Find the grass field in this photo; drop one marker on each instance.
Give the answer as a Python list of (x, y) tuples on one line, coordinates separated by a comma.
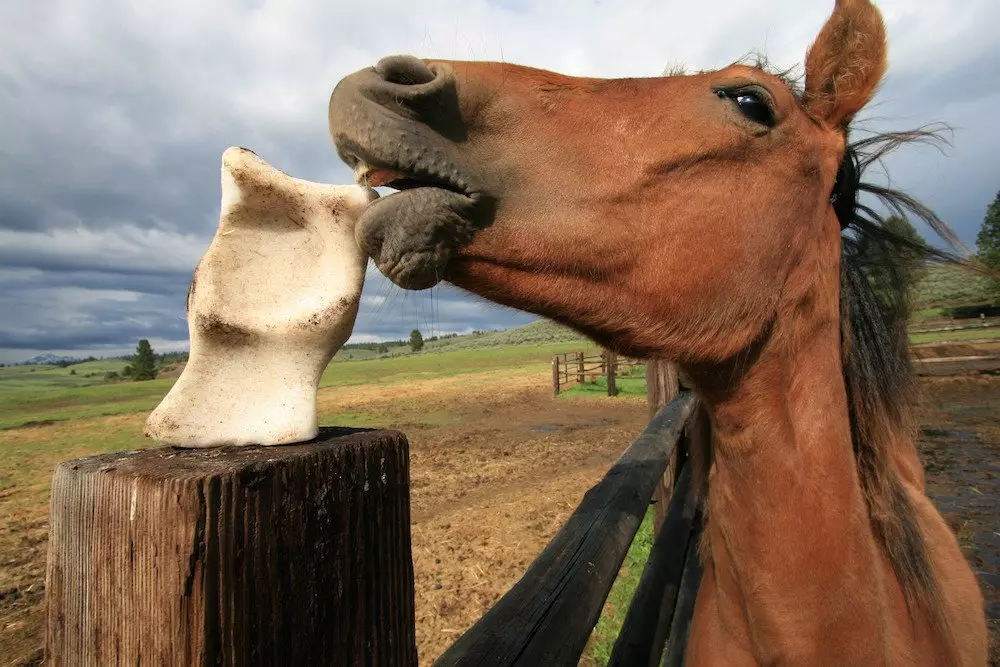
[(21, 378), (51, 394), (627, 386), (944, 288), (942, 336)]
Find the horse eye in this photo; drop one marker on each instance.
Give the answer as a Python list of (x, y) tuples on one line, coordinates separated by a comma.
[(753, 106)]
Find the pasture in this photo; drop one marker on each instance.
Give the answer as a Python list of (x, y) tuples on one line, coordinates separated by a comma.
[(497, 465)]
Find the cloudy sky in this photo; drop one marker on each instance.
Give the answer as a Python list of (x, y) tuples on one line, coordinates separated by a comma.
[(114, 115)]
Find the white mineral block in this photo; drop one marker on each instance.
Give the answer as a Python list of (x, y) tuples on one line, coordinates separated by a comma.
[(273, 299)]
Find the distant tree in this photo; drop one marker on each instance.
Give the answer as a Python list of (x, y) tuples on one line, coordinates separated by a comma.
[(877, 252), (72, 371), (382, 349), (988, 243), (988, 240), (144, 362), (128, 371), (416, 340), (111, 376)]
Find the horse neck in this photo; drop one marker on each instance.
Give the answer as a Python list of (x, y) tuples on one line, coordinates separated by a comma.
[(789, 548)]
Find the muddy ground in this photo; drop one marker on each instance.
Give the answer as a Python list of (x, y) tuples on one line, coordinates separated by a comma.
[(960, 445), (498, 465)]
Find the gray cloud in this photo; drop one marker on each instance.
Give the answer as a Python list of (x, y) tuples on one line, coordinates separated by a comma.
[(116, 113)]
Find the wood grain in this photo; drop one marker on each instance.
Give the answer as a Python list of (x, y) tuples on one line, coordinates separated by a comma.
[(292, 555), (661, 387)]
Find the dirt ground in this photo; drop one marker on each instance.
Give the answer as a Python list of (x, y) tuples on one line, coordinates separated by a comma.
[(490, 490), (960, 446), (497, 466)]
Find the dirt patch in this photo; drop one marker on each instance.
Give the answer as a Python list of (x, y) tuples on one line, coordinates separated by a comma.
[(960, 446), (171, 371), (941, 350)]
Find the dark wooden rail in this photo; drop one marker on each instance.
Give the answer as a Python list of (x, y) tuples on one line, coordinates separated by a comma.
[(547, 617), (650, 616), (684, 612)]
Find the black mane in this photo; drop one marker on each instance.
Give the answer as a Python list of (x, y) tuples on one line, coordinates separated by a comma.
[(878, 372)]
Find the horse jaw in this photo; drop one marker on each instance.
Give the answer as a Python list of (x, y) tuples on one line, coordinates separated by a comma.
[(272, 300)]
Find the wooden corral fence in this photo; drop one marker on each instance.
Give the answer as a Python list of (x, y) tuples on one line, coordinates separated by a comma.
[(577, 367), (300, 555)]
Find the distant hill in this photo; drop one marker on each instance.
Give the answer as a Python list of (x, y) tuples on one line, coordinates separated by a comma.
[(49, 358), (540, 331)]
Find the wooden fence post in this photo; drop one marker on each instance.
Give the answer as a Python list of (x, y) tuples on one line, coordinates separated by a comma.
[(612, 362), (579, 368), (661, 387), (555, 376), (293, 555)]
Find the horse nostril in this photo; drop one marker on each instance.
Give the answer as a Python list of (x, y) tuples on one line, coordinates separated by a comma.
[(404, 70)]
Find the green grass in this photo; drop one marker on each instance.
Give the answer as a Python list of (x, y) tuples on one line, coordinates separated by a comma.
[(443, 364), (929, 314), (536, 333), (616, 606), (49, 394), (626, 386), (28, 466), (943, 336), (950, 287), (16, 379), (39, 404)]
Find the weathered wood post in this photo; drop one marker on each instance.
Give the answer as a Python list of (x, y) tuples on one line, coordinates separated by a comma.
[(612, 363), (662, 386), (555, 376), (579, 368), (296, 555)]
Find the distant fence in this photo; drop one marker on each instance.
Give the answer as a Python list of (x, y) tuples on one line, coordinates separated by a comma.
[(576, 368), (982, 324)]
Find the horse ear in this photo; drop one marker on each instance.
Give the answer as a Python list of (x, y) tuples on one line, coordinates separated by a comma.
[(846, 62)]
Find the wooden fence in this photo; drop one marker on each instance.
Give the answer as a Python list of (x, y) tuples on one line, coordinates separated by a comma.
[(577, 367), (301, 555)]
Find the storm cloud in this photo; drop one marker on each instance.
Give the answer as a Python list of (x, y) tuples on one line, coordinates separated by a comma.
[(115, 114)]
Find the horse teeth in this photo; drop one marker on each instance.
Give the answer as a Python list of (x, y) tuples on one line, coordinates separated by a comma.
[(361, 171)]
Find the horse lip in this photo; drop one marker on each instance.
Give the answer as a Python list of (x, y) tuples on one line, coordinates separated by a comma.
[(368, 132), (441, 174)]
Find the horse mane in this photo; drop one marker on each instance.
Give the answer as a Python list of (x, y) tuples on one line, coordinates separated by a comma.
[(878, 372)]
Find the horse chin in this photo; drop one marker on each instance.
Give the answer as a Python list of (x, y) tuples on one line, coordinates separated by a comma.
[(412, 235)]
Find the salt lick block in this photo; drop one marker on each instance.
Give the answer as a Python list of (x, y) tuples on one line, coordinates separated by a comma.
[(272, 300)]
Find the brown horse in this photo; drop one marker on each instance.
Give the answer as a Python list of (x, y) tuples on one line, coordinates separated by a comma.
[(713, 220)]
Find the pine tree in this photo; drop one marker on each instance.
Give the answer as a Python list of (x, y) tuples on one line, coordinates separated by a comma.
[(416, 340), (988, 242), (144, 363)]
